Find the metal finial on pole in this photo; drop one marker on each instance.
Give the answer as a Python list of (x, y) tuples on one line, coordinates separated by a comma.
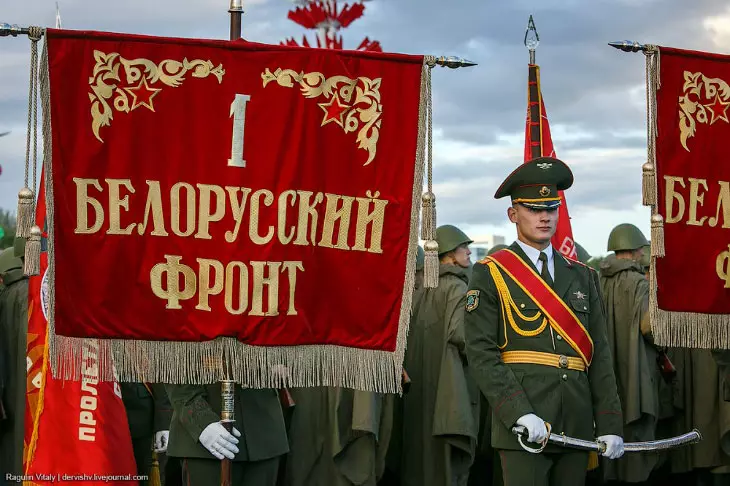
[(236, 11), (532, 39), (12, 30), (453, 62), (58, 17), (628, 46)]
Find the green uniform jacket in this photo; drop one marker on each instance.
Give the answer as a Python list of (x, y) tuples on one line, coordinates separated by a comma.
[(338, 437), (13, 336), (440, 411), (257, 414), (699, 402), (626, 296), (146, 413), (571, 401)]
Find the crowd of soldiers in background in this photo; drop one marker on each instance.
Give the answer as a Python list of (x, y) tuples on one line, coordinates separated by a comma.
[(435, 434)]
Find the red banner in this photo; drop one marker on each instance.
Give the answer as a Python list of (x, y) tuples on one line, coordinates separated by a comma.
[(693, 181), (208, 188), (539, 143), (75, 431)]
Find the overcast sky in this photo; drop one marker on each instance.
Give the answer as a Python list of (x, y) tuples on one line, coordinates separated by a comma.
[(594, 94)]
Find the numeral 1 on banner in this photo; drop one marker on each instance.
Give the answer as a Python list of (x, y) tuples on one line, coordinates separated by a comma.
[(238, 112)]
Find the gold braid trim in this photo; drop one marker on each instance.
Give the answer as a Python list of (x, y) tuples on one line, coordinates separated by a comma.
[(509, 307)]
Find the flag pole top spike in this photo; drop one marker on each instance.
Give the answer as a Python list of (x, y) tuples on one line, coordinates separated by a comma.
[(12, 30), (236, 6), (628, 46), (452, 62), (532, 39)]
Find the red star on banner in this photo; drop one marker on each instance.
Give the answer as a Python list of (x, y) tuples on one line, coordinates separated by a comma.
[(142, 95), (718, 109), (334, 111)]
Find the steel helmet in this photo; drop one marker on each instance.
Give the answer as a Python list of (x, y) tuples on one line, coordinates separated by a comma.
[(626, 237), (496, 248), (582, 254), (450, 237), (8, 260)]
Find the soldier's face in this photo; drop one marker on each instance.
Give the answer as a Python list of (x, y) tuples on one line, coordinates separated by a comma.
[(461, 256), (534, 225)]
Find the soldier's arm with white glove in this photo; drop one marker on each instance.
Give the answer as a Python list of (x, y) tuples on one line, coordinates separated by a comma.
[(614, 446), (201, 422), (536, 429), (219, 441), (163, 415)]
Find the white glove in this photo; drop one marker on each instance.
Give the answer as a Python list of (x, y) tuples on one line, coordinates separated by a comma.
[(162, 438), (218, 441), (535, 427), (614, 446)]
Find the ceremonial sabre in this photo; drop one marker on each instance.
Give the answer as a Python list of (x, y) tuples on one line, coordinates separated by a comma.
[(599, 447)]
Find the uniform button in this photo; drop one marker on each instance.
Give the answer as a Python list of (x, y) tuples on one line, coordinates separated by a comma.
[(522, 306), (585, 308), (565, 377), (560, 338)]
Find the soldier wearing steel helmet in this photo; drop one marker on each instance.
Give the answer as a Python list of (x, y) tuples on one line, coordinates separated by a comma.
[(440, 411), (536, 340), (13, 337), (626, 295)]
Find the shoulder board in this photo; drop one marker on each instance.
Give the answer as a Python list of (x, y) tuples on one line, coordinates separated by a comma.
[(577, 262), (485, 260)]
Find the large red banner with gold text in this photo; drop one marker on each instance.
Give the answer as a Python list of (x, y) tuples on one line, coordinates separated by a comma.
[(693, 182), (210, 188)]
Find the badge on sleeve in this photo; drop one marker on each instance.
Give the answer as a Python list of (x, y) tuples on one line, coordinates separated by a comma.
[(472, 300)]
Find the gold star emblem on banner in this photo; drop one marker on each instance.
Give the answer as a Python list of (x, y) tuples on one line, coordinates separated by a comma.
[(718, 109), (334, 111), (142, 95)]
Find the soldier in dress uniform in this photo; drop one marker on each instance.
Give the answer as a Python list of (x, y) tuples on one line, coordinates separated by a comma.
[(536, 340), (13, 341), (626, 294), (148, 415), (440, 411), (198, 438)]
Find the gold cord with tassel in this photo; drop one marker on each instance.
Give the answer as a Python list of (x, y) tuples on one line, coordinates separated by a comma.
[(648, 185), (155, 471), (428, 199), (26, 196), (32, 261), (657, 235)]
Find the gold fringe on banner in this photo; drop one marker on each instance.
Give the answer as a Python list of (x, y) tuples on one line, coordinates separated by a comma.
[(686, 329), (252, 366)]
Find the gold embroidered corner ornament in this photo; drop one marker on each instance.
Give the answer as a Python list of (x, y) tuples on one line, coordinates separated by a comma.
[(716, 97), (138, 89), (349, 102), (472, 300)]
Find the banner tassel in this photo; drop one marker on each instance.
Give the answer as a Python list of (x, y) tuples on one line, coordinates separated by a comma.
[(26, 213), (428, 200), (648, 185), (657, 235), (155, 472), (32, 263), (428, 216), (431, 264)]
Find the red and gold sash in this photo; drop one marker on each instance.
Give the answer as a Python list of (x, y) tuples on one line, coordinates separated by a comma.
[(562, 319)]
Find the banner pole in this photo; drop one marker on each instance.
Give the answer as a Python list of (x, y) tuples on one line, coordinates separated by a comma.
[(236, 11)]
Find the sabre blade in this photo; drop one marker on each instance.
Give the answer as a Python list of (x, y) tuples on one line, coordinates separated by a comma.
[(689, 438)]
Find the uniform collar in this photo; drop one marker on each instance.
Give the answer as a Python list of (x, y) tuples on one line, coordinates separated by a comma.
[(534, 254)]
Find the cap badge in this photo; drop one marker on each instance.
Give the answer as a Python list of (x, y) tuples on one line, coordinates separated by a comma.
[(545, 165), (544, 191)]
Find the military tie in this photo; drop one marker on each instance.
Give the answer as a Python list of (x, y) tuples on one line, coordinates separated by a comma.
[(545, 273)]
